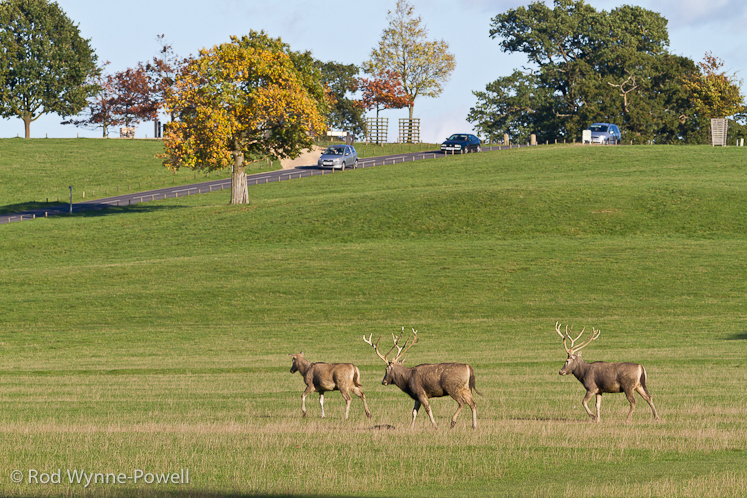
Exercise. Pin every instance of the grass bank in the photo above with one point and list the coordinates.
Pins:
(35, 173)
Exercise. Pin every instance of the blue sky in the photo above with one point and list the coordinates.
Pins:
(125, 33)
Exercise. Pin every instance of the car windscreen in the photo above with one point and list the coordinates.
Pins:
(334, 151)
(598, 128)
(458, 137)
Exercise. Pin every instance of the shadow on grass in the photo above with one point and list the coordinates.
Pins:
(99, 210)
(738, 337)
(91, 210)
(24, 207)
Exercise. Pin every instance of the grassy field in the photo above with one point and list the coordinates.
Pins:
(36, 173)
(157, 337)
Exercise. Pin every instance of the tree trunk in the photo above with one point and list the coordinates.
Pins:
(239, 192)
(27, 126)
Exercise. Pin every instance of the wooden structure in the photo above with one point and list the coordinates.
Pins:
(718, 131)
(377, 130)
(409, 130)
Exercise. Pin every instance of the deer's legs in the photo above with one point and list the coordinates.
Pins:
(599, 407)
(348, 400)
(585, 402)
(427, 405)
(309, 390)
(648, 399)
(461, 401)
(457, 412)
(473, 407)
(321, 402)
(414, 413)
(359, 392)
(632, 400)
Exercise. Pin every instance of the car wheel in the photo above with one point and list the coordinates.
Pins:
(478, 149)
(355, 164)
(342, 166)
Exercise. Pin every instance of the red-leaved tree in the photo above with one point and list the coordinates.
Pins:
(99, 111)
(384, 91)
(133, 101)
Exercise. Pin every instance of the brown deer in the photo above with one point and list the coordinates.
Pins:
(428, 381)
(323, 377)
(601, 377)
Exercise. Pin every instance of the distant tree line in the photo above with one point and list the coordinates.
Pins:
(47, 67)
(587, 66)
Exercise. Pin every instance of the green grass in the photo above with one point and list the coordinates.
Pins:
(156, 337)
(36, 173)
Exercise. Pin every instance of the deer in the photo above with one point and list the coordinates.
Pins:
(323, 377)
(601, 377)
(426, 381)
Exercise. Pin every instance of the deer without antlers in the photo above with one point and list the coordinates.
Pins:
(428, 381)
(323, 377)
(600, 377)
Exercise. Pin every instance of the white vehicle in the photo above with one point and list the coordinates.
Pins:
(604, 133)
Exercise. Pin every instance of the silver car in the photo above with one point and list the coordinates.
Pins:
(338, 157)
(605, 133)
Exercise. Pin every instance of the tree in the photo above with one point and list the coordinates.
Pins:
(588, 66)
(384, 91)
(340, 80)
(99, 111)
(134, 97)
(162, 70)
(423, 66)
(48, 65)
(238, 101)
(712, 92)
(509, 106)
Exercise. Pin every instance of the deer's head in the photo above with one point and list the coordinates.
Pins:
(574, 355)
(398, 359)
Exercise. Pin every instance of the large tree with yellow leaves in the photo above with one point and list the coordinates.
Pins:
(242, 101)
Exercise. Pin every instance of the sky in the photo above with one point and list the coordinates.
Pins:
(124, 33)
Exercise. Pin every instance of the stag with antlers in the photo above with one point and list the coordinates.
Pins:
(601, 377)
(428, 381)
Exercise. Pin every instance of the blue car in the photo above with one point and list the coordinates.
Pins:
(461, 143)
(338, 157)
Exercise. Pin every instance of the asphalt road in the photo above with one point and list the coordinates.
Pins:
(131, 199)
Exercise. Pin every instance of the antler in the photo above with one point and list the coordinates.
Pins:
(375, 346)
(401, 350)
(406, 348)
(576, 349)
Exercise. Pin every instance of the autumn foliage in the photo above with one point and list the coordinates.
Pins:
(384, 91)
(236, 102)
(713, 92)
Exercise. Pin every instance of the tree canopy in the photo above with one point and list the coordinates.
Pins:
(713, 92)
(46, 65)
(341, 80)
(423, 66)
(239, 101)
(585, 66)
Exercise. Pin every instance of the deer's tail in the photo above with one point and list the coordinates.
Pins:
(357, 377)
(472, 381)
(643, 381)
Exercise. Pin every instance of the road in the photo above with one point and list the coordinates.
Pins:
(215, 185)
